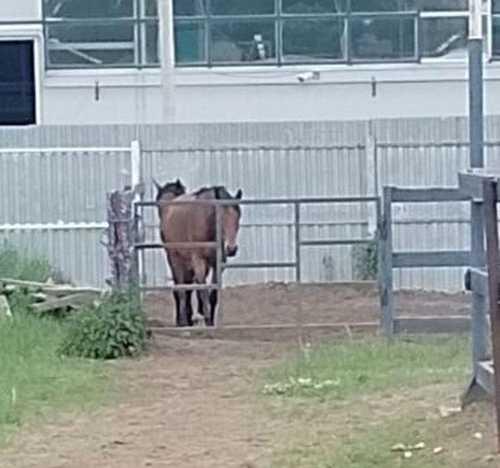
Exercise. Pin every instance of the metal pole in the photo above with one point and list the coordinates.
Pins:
(167, 59)
(475, 46)
(476, 133)
(297, 243)
(218, 264)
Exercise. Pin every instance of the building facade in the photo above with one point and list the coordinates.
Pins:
(151, 61)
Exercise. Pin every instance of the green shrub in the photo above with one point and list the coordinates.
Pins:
(365, 260)
(114, 329)
(13, 265)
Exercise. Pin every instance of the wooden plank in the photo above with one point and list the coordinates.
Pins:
(492, 256)
(74, 300)
(427, 195)
(427, 325)
(63, 291)
(431, 259)
(386, 265)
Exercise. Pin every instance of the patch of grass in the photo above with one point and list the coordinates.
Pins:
(342, 370)
(384, 394)
(369, 442)
(34, 380)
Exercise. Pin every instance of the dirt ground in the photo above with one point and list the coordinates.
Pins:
(279, 303)
(192, 403)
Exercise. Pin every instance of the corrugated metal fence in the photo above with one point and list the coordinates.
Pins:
(52, 201)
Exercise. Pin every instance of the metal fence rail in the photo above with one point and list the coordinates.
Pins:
(297, 203)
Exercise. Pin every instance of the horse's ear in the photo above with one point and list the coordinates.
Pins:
(239, 194)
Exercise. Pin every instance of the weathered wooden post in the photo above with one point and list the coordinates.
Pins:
(122, 236)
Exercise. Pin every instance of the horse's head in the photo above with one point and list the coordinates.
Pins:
(170, 190)
(230, 221)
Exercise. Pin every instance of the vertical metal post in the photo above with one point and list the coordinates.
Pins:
(167, 59)
(491, 225)
(475, 47)
(371, 176)
(218, 264)
(298, 276)
(135, 182)
(387, 294)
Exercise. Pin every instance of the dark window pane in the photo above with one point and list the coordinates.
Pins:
(313, 40)
(151, 8)
(91, 45)
(190, 42)
(242, 7)
(88, 8)
(444, 37)
(444, 5)
(382, 38)
(190, 7)
(496, 6)
(243, 41)
(314, 6)
(151, 53)
(383, 5)
(496, 36)
(17, 83)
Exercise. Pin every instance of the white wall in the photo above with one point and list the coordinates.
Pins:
(20, 10)
(426, 90)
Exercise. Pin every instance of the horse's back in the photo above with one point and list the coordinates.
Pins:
(187, 222)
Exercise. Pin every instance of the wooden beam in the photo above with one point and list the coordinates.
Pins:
(431, 259)
(427, 195)
(492, 257)
(74, 300)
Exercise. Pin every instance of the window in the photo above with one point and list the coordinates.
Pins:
(495, 47)
(219, 32)
(100, 33)
(17, 83)
(445, 27)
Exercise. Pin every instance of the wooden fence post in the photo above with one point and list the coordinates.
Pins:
(121, 239)
(386, 280)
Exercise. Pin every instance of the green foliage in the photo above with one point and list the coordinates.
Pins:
(13, 265)
(365, 260)
(116, 328)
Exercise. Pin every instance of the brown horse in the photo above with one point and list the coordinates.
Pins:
(168, 192)
(197, 223)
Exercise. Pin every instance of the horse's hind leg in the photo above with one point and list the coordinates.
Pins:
(182, 298)
(200, 277)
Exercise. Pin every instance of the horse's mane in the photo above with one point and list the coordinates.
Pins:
(220, 193)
